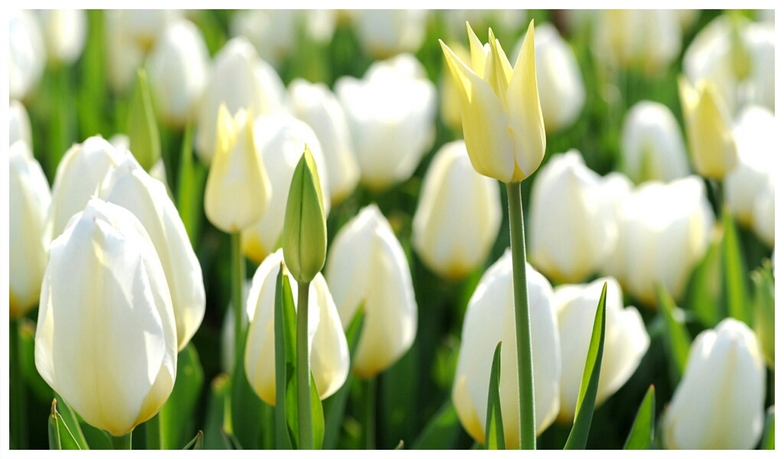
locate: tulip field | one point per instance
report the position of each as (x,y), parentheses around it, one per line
(390,229)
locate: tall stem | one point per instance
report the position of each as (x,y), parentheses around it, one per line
(237,278)
(303,370)
(152,433)
(525,369)
(370,412)
(18,394)
(121,442)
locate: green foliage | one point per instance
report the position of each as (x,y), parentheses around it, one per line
(494,427)
(642,432)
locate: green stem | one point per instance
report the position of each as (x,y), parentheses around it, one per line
(152,432)
(370,412)
(303,370)
(121,442)
(237,278)
(525,368)
(18,394)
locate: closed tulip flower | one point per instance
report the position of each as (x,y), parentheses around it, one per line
(652,146)
(28,203)
(384,33)
(238,189)
(240,80)
(490,319)
(177,69)
(663,232)
(106,338)
(626,340)
(502,117)
(19,124)
(366,265)
(64,32)
(567,195)
(26,53)
(391,113)
(317,106)
(78,175)
(129,186)
(458,216)
(281,140)
(707,119)
(764,217)
(719,403)
(327,347)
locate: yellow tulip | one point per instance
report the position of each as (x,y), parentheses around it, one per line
(502,117)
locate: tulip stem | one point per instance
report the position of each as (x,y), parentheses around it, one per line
(525,369)
(370,413)
(237,278)
(152,432)
(122,442)
(303,370)
(18,394)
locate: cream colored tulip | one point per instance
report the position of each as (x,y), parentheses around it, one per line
(327,347)
(502,117)
(366,265)
(238,188)
(64,33)
(719,403)
(707,121)
(385,33)
(489,319)
(568,195)
(19,124)
(458,216)
(28,203)
(625,343)
(106,338)
(652,146)
(26,53)
(129,186)
(764,217)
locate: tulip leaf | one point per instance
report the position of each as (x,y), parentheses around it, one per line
(142,127)
(190,188)
(705,295)
(677,336)
(282,296)
(641,434)
(734,271)
(494,427)
(60,437)
(71,421)
(578,437)
(441,431)
(197,442)
(176,416)
(769,434)
(32,378)
(317,415)
(764,312)
(217,413)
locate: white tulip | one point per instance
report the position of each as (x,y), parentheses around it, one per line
(64,33)
(567,195)
(19,124)
(281,140)
(719,403)
(652,146)
(764,218)
(106,339)
(616,187)
(129,186)
(625,343)
(327,347)
(384,33)
(28,203)
(490,318)
(366,265)
(391,114)
(317,106)
(27,54)
(458,216)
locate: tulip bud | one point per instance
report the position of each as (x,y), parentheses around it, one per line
(319,108)
(78,175)
(711,144)
(238,189)
(127,185)
(626,340)
(28,203)
(106,339)
(19,124)
(719,403)
(305,225)
(490,319)
(502,117)
(450,93)
(390,113)
(280,139)
(385,33)
(327,347)
(458,216)
(568,195)
(652,146)
(64,33)
(366,265)
(26,53)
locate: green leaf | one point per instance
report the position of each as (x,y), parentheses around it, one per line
(54,428)
(705,293)
(734,272)
(769,434)
(71,422)
(197,442)
(641,434)
(282,297)
(441,431)
(142,128)
(218,409)
(578,437)
(677,336)
(317,415)
(247,409)
(190,188)
(32,379)
(765,312)
(494,427)
(177,415)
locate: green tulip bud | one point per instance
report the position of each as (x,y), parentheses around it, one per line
(305,225)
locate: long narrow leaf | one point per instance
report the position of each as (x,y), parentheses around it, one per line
(441,431)
(735,272)
(641,434)
(142,126)
(705,292)
(765,312)
(71,421)
(769,434)
(197,442)
(316,415)
(494,427)
(176,416)
(586,399)
(60,437)
(216,413)
(677,335)
(282,295)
